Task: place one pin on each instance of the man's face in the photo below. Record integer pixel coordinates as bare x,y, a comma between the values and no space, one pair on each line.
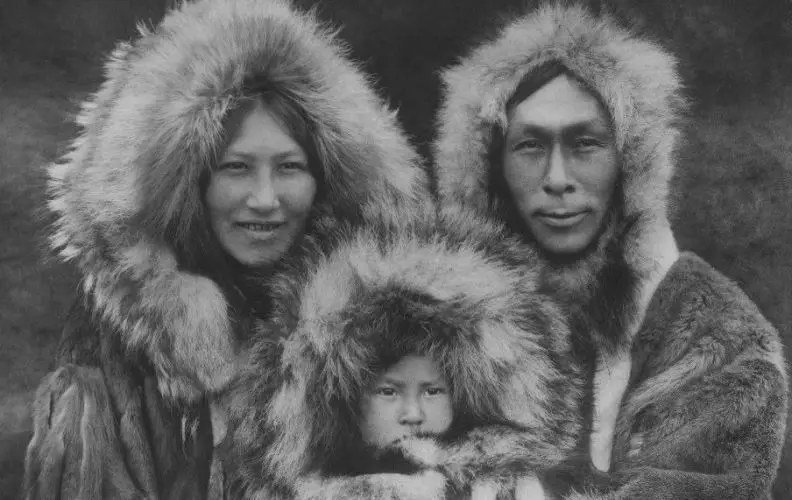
560,165
410,398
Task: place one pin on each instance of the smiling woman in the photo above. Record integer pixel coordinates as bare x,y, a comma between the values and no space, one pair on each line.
261,192
217,142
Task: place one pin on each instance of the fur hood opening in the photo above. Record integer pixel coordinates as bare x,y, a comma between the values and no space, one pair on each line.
636,81
127,195
460,291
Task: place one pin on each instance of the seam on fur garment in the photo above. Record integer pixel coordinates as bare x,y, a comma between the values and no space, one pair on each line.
613,372
610,383
484,490
219,417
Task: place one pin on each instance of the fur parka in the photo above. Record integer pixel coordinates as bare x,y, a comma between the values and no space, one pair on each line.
457,289
153,331
127,196
709,343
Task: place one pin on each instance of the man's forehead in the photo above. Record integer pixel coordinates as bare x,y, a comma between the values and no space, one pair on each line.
559,104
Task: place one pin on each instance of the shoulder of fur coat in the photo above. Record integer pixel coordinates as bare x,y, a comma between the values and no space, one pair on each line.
126,196
709,391
705,413
502,344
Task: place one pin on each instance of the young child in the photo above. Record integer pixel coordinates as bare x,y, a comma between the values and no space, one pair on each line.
408,363
410,398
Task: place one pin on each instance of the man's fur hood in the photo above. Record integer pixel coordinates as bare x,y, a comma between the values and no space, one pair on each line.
637,83
126,196
459,289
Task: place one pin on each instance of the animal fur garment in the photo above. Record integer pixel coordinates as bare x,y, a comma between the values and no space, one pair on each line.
459,290
690,389
128,196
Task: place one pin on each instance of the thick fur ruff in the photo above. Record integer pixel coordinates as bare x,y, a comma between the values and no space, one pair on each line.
639,86
458,289
127,195
705,412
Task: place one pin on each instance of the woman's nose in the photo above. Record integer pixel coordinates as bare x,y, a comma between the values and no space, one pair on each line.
412,412
557,180
263,194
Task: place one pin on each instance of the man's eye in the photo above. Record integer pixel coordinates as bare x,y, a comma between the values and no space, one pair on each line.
528,145
588,142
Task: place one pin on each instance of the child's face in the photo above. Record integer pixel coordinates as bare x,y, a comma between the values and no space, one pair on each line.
411,397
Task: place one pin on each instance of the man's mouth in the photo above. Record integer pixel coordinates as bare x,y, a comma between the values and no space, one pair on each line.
561,218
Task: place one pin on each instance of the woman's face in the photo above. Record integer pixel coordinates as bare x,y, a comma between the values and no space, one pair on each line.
261,192
560,165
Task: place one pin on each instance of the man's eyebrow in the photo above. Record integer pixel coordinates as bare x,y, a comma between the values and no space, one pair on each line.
248,156
570,128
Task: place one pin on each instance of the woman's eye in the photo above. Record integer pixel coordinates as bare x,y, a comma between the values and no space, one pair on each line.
291,166
233,165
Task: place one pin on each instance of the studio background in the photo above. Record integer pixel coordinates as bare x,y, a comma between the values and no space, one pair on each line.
732,201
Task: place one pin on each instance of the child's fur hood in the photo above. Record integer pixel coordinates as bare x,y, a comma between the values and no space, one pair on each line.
460,290
127,196
639,86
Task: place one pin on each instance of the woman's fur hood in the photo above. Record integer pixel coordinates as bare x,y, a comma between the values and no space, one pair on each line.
460,290
638,84
127,195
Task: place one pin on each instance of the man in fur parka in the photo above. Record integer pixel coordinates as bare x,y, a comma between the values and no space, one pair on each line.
458,292
564,126
164,303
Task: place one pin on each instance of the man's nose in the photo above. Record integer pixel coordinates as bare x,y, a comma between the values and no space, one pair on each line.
263,193
412,411
557,180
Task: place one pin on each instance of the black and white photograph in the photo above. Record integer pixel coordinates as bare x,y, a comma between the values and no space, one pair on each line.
395,249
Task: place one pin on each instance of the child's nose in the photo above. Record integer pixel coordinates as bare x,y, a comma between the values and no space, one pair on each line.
412,412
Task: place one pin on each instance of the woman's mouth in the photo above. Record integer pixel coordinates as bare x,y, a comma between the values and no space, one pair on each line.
260,227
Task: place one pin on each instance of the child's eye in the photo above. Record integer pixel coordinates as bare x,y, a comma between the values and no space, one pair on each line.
386,391
435,391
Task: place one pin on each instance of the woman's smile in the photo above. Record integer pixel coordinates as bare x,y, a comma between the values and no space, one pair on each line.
262,190
261,229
